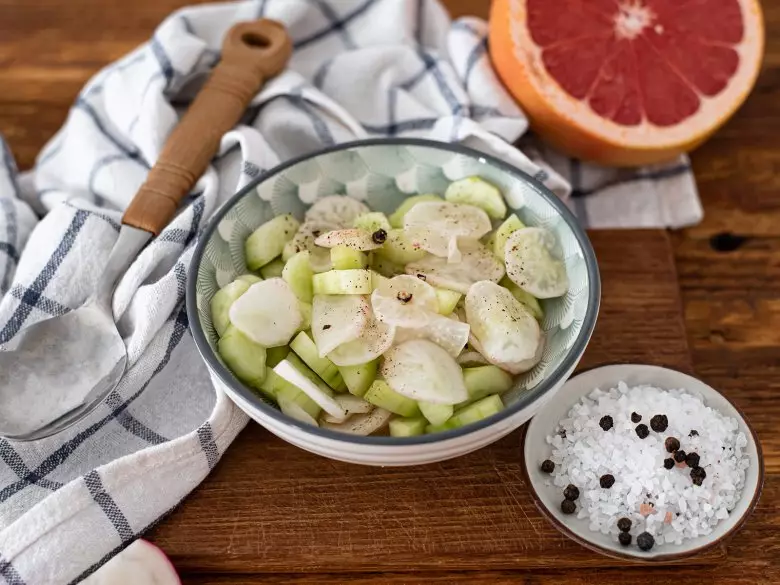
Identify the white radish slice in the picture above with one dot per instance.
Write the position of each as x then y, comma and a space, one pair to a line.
504, 331
141, 562
351, 405
449, 219
304, 240
337, 210
375, 340
471, 358
296, 411
338, 319
268, 313
512, 367
353, 238
449, 334
404, 301
288, 371
534, 263
477, 264
363, 424
421, 370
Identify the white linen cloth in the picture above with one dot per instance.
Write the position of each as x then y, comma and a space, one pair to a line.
361, 68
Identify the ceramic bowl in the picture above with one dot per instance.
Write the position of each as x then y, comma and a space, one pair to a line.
383, 173
548, 497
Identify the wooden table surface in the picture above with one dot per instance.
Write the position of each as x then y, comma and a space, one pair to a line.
705, 298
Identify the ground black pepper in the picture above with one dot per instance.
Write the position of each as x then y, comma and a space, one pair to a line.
624, 538
693, 433
568, 507
692, 459
548, 466
607, 481
325, 327
680, 456
659, 423
571, 492
645, 541
624, 524
697, 475
668, 463
642, 431
635, 417
671, 444
404, 296
606, 422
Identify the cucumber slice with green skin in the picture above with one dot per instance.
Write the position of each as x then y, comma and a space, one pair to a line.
273, 269
281, 390
268, 313
384, 267
534, 263
345, 258
530, 301
338, 319
431, 429
478, 192
447, 299
342, 282
399, 249
245, 358
436, 414
267, 241
304, 347
372, 222
380, 394
296, 411
476, 411
338, 210
306, 311
485, 380
304, 241
358, 379
222, 301
363, 424
250, 279
502, 233
297, 273
297, 373
407, 427
376, 280
397, 217
273, 355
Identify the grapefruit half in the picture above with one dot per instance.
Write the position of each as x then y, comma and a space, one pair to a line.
627, 82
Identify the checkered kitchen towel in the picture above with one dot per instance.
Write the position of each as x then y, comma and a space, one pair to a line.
361, 68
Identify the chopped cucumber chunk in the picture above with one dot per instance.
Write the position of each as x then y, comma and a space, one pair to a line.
502, 233
384, 267
345, 258
273, 269
477, 192
221, 302
447, 426
359, 378
399, 248
376, 280
296, 372
290, 396
305, 348
297, 273
529, 300
407, 427
476, 411
372, 222
448, 300
245, 358
273, 355
267, 241
397, 217
250, 279
436, 414
485, 380
342, 282
380, 394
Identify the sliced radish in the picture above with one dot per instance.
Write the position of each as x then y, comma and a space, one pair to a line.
404, 301
534, 263
303, 240
352, 238
363, 424
296, 411
449, 219
268, 313
337, 210
511, 367
471, 358
448, 333
375, 340
351, 404
140, 563
338, 319
421, 370
478, 263
288, 371
503, 330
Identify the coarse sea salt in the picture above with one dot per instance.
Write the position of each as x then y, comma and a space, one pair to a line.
679, 509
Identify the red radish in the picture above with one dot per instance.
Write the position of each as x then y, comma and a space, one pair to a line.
141, 563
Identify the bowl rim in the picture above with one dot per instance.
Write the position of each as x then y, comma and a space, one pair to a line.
557, 375
636, 558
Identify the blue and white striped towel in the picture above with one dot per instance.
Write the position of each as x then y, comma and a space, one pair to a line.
361, 68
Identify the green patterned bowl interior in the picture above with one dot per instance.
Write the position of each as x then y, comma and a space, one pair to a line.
382, 173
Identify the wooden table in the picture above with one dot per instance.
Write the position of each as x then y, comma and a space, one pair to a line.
693, 299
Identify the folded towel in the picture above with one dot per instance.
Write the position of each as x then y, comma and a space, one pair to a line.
361, 68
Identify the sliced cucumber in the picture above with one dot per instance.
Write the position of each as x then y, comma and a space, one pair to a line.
485, 380
267, 241
431, 429
250, 279
283, 391
306, 310
534, 263
345, 258
436, 414
363, 424
397, 217
477, 264
268, 313
296, 372
407, 427
502, 233
476, 411
276, 354
304, 241
448, 300
245, 358
380, 394
221, 302
529, 300
359, 378
353, 238
399, 249
338, 319
273, 269
342, 282
297, 273
376, 280
372, 222
478, 192
384, 267
305, 348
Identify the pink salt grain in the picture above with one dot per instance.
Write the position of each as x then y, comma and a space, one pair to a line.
668, 518
645, 509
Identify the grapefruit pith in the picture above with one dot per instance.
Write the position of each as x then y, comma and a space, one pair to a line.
627, 82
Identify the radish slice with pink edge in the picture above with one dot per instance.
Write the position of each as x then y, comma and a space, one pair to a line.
353, 238
140, 563
446, 332
375, 340
268, 313
478, 263
338, 319
404, 301
337, 210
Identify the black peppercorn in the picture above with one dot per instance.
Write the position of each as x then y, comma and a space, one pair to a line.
635, 417
606, 422
548, 466
671, 444
645, 541
624, 538
642, 431
668, 463
568, 507
680, 456
571, 492
624, 524
607, 481
659, 423
697, 475
692, 459
379, 236
693, 433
